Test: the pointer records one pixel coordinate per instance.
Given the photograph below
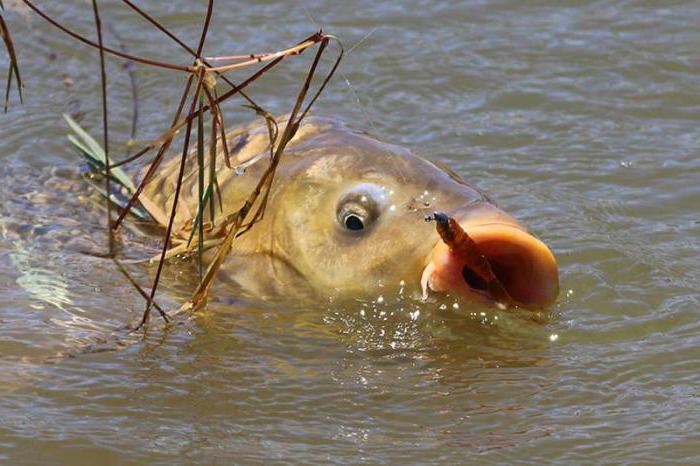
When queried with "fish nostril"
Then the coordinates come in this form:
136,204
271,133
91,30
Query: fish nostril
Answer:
473,280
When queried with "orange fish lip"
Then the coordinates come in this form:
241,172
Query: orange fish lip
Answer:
523,264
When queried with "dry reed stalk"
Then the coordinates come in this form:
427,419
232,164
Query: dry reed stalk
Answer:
105,127
205,100
13,69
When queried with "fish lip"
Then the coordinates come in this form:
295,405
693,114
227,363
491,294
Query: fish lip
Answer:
524,264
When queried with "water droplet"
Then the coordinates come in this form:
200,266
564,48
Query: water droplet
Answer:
380,299
455,306
553,337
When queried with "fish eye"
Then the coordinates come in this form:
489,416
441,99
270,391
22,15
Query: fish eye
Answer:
355,216
359,208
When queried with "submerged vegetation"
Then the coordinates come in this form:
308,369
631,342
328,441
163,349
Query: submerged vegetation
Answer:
200,114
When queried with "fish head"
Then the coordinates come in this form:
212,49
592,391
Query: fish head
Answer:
350,216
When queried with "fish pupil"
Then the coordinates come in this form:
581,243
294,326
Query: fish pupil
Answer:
353,223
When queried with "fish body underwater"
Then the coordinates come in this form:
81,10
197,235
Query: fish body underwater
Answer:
345,219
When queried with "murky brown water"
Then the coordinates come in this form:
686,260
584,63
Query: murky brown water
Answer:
579,118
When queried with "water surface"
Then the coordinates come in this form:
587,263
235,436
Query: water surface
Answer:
580,118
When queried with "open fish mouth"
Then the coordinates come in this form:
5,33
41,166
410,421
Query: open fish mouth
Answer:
493,263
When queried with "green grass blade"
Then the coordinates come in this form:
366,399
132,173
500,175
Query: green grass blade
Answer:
200,182
141,214
218,193
82,148
91,149
198,217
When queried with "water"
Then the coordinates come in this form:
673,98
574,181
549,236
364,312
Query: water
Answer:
578,118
